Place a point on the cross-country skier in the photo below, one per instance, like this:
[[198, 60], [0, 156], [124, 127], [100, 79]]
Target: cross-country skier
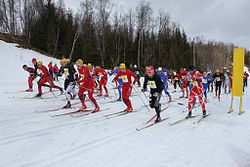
[[245, 78], [86, 81], [205, 84], [218, 77], [118, 82], [103, 80], [31, 77], [45, 77], [210, 82], [70, 83], [136, 70], [156, 87], [176, 79], [184, 82], [164, 77], [196, 90], [126, 76], [227, 84]]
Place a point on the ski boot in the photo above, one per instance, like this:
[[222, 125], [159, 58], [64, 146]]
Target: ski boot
[[189, 114], [106, 95], [38, 95], [130, 109], [119, 99], [158, 119], [169, 99], [68, 105], [83, 107], [29, 90], [97, 109], [61, 90], [204, 113]]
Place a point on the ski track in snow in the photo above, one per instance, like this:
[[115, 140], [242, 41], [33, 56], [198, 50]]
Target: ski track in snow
[[32, 138]]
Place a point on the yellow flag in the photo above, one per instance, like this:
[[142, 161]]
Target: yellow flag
[[238, 71]]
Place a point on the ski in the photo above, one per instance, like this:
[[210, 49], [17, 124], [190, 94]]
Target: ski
[[119, 113], [87, 113], [73, 112], [58, 109], [204, 116], [155, 115], [182, 120], [152, 124]]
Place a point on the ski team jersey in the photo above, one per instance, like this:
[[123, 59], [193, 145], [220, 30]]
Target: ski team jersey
[[196, 80], [84, 74], [43, 71], [101, 73], [126, 77], [69, 72], [155, 83], [218, 77], [163, 76], [31, 71]]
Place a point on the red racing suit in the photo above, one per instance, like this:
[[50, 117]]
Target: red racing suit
[[126, 75], [45, 77], [196, 89], [103, 79], [86, 83]]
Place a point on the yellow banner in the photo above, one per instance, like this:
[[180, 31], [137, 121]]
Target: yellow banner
[[238, 71]]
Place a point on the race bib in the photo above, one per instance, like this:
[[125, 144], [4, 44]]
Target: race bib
[[152, 84], [204, 81], [100, 74], [137, 72], [176, 79], [124, 78], [66, 71], [39, 71], [217, 78]]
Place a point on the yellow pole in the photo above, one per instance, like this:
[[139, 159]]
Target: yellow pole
[[231, 105], [240, 109]]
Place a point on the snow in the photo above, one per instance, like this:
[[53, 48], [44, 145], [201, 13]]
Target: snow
[[30, 138]]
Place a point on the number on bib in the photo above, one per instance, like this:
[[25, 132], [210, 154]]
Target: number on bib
[[124, 78], [152, 84]]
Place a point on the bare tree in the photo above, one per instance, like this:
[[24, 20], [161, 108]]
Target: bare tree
[[142, 13], [103, 8]]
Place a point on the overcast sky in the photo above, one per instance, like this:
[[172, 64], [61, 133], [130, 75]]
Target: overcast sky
[[220, 20]]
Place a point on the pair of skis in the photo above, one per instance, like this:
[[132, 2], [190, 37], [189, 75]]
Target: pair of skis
[[187, 118]]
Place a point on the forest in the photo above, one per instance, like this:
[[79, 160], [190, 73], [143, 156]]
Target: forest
[[102, 33]]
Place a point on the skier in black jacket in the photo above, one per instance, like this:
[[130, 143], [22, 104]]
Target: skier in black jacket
[[67, 69], [156, 87]]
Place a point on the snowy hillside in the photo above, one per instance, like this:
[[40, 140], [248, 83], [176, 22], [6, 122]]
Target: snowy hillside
[[31, 137]]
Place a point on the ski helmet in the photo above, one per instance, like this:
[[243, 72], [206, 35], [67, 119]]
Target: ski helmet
[[122, 66], [78, 62], [39, 62], [159, 68], [33, 60]]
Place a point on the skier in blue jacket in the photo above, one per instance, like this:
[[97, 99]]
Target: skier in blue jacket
[[119, 87], [164, 77], [205, 84]]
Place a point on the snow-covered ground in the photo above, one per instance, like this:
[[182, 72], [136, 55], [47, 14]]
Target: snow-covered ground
[[29, 138]]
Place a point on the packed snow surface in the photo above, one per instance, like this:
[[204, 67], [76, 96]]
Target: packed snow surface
[[32, 137]]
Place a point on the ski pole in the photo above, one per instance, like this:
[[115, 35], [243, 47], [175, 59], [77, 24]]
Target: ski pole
[[142, 99]]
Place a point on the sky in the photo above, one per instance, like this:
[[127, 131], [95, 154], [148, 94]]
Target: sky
[[219, 20]]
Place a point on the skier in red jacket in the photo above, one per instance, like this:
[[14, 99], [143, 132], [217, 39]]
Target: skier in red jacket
[[126, 75], [86, 81], [45, 77], [103, 79], [196, 89]]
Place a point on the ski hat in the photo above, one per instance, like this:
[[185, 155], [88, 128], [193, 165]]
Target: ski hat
[[39, 62], [25, 66], [78, 62], [150, 70], [135, 66], [33, 60], [159, 68], [89, 65], [122, 66]]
